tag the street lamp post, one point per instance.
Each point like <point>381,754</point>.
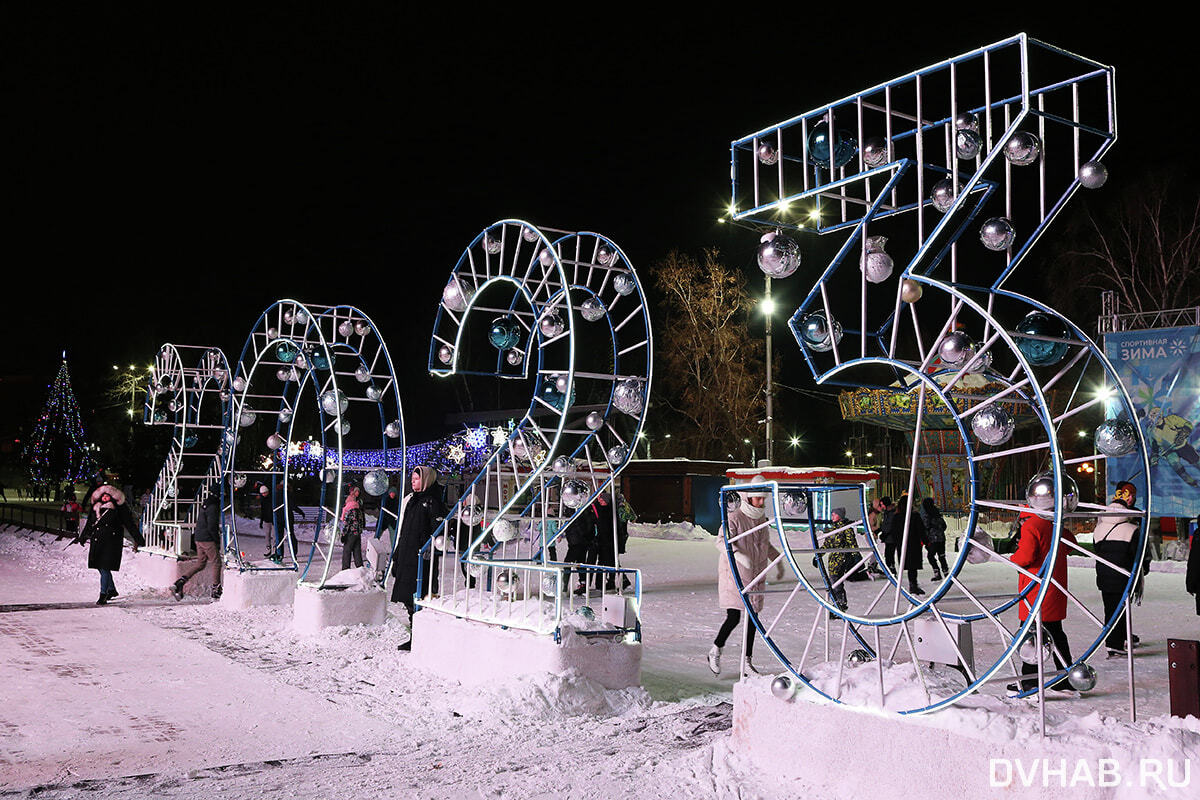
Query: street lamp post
<point>769,310</point>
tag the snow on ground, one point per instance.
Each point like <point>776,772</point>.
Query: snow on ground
<point>184,700</point>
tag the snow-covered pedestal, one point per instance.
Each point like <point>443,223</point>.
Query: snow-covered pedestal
<point>958,752</point>
<point>315,609</point>
<point>158,570</point>
<point>265,588</point>
<point>477,653</point>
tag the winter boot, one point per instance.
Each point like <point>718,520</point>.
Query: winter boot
<point>177,588</point>
<point>750,668</point>
<point>714,660</point>
<point>113,593</point>
<point>103,601</point>
<point>216,593</point>
<point>914,589</point>
<point>937,574</point>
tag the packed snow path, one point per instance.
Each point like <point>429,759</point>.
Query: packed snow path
<point>153,697</point>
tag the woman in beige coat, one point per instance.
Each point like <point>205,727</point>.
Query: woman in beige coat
<point>752,553</point>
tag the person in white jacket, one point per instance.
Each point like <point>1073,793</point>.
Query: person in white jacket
<point>752,553</point>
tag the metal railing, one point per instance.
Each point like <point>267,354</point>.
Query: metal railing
<point>49,520</point>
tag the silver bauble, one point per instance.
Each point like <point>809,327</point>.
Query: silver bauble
<point>362,374</point>
<point>282,374</point>
<point>874,152</point>
<point>301,362</point>
<point>1082,677</point>
<point>457,295</point>
<point>470,513</point>
<point>172,406</point>
<point>445,354</point>
<point>767,154</point>
<point>575,493</point>
<point>942,195</point>
<point>514,357</point>
<point>289,316</point>
<point>859,656</point>
<point>225,395</point>
<point>993,425</point>
<point>274,441</point>
<point>1040,492</point>
<point>374,394</point>
<point>301,316</point>
<point>529,234</point>
<point>997,234</point>
<point>967,144</point>
<point>628,397</point>
<point>375,482</point>
<point>562,464</point>
<point>594,421</point>
<point>981,364</point>
<point>503,530</point>
<point>272,333</point>
<point>518,448</point>
<point>955,347</point>
<point>239,480</point>
<point>778,255</point>
<point>1092,175</point>
<point>362,327</point>
<point>876,265</point>
<point>911,291</point>
<point>817,334</point>
<point>783,687</point>
<point>345,329</point>
<point>617,454</point>
<point>1022,149</point>
<point>246,418</point>
<point>1116,437</point>
<point>393,429</point>
<point>549,586</point>
<point>439,542</point>
<point>1028,651</point>
<point>795,504</point>
<point>333,401</point>
<point>239,384</point>
<point>331,475</point>
<point>492,244</point>
<point>551,325</point>
<point>604,255</point>
<point>624,284</point>
<point>546,257</point>
<point>562,383</point>
<point>285,416</point>
<point>591,309</point>
<point>966,121</point>
<point>344,428</point>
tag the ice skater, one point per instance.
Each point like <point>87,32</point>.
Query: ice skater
<point>751,552</point>
<point>108,522</point>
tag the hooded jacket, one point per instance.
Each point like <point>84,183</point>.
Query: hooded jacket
<point>106,525</point>
<point>1036,536</point>
<point>752,553</point>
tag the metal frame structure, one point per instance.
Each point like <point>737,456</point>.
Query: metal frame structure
<point>906,136</point>
<point>334,356</point>
<point>576,308</point>
<point>176,396</point>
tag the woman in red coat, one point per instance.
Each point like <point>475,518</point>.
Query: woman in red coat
<point>1032,548</point>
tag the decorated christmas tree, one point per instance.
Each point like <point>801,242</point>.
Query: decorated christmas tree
<point>56,451</point>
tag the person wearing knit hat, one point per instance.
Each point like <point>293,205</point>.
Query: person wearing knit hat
<point>752,553</point>
<point>421,512</point>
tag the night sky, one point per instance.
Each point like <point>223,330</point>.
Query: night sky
<point>169,176</point>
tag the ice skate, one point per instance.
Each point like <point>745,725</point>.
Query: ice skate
<point>714,660</point>
<point>751,669</point>
<point>177,589</point>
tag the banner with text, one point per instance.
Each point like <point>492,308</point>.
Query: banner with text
<point>1161,371</point>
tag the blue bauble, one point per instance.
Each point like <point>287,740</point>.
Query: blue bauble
<point>553,395</point>
<point>190,440</point>
<point>317,359</point>
<point>844,146</point>
<point>505,333</point>
<point>1038,352</point>
<point>286,352</point>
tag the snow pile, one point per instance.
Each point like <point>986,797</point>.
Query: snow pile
<point>548,696</point>
<point>674,531</point>
<point>355,579</point>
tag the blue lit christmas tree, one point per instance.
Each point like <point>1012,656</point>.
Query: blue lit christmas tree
<point>56,451</point>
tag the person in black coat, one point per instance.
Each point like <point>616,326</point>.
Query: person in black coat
<point>580,534</point>
<point>935,537</point>
<point>893,538</point>
<point>608,539</point>
<point>107,523</point>
<point>1192,579</point>
<point>1115,539</point>
<point>420,514</point>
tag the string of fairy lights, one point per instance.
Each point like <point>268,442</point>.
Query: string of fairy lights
<point>463,452</point>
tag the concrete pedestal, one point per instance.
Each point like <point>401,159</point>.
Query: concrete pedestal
<point>162,571</point>
<point>477,653</point>
<point>267,588</point>
<point>315,609</point>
